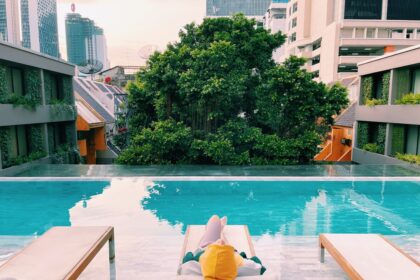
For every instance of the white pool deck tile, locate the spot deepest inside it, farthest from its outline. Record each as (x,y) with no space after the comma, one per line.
(157,257)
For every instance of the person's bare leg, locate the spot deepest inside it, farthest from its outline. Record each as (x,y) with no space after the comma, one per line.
(212,233)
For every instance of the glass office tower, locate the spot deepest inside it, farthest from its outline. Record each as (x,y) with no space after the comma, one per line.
(230,7)
(39,26)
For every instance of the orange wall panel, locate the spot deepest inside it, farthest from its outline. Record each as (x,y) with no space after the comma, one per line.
(82,147)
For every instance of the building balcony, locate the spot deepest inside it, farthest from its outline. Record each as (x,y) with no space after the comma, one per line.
(18,115)
(399,114)
(353,59)
(380,42)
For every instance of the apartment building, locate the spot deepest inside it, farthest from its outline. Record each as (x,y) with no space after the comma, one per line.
(388,116)
(37,112)
(335,35)
(275,21)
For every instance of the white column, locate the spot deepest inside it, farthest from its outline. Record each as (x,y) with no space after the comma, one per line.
(385,9)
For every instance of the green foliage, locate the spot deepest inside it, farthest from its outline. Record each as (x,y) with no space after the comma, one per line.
(409,99)
(409,158)
(165,142)
(217,97)
(47,87)
(32,85)
(386,78)
(289,101)
(362,134)
(381,138)
(61,109)
(367,89)
(120,140)
(4,144)
(67,89)
(398,139)
(66,154)
(3,84)
(18,100)
(373,102)
(371,147)
(37,143)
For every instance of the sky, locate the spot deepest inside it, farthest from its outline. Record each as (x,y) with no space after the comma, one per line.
(130,25)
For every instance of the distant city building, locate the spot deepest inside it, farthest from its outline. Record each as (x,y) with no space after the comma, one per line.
(224,8)
(275,21)
(120,75)
(86,42)
(336,35)
(39,26)
(9,21)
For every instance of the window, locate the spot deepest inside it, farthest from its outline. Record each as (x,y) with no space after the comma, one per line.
(316,60)
(363,9)
(344,68)
(316,45)
(403,10)
(358,51)
(14,80)
(292,38)
(384,33)
(56,135)
(360,33)
(295,7)
(415,81)
(409,34)
(294,22)
(405,139)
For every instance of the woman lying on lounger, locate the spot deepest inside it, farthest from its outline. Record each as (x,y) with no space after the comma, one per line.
(217,259)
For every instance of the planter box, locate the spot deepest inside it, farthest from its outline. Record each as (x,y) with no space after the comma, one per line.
(406,114)
(18,115)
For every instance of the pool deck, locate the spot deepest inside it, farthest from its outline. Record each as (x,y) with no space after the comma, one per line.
(323,170)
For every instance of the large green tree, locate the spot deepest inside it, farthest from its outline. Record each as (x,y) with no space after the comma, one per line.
(217,97)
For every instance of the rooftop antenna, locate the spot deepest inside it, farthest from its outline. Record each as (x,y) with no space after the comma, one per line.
(146,51)
(90,67)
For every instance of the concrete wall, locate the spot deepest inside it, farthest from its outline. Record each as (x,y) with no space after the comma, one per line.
(403,114)
(365,157)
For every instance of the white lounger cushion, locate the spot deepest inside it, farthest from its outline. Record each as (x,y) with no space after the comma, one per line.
(237,236)
(373,257)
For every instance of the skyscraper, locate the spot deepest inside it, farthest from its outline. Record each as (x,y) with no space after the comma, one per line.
(221,8)
(39,26)
(85,41)
(9,21)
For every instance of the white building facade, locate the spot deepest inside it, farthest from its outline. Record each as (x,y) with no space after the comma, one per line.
(275,21)
(335,35)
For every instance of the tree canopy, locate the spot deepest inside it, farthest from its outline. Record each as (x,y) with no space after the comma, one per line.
(217,97)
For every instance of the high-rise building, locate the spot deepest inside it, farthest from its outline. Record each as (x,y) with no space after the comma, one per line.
(86,42)
(222,8)
(9,21)
(336,35)
(39,26)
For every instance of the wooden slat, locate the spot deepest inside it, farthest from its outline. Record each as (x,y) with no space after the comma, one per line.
(61,253)
(370,256)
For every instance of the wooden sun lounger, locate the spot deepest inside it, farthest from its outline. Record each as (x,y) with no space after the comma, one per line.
(369,257)
(60,253)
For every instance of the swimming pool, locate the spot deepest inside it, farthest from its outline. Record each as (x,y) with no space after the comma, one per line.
(150,216)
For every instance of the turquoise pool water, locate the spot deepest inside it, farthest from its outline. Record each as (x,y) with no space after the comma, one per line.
(291,208)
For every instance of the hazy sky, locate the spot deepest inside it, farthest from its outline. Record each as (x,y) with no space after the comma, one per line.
(131,24)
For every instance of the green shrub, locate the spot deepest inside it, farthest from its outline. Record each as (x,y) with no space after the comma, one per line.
(3,83)
(386,78)
(371,147)
(367,89)
(165,142)
(373,102)
(409,158)
(411,98)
